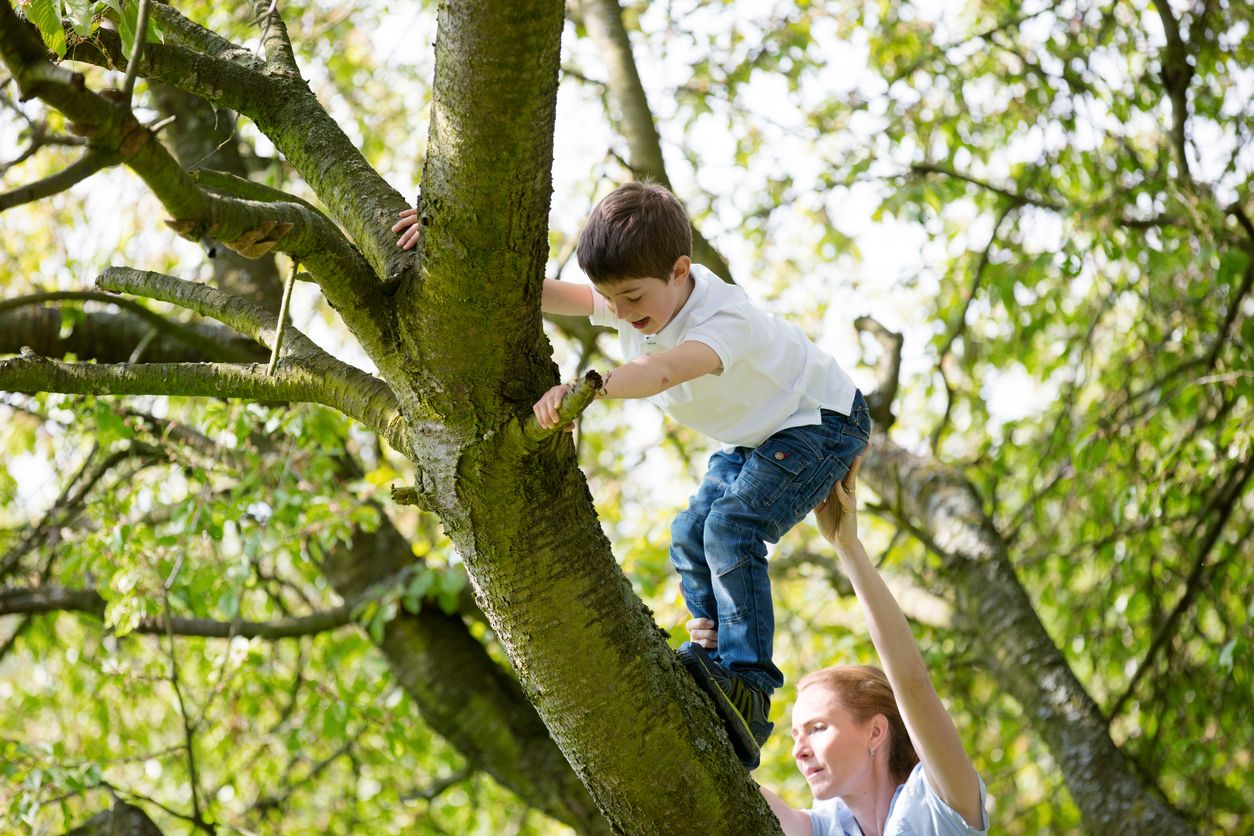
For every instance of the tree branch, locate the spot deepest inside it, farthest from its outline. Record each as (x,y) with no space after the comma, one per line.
(274,37)
(243,316)
(207,346)
(1177,73)
(947,511)
(46,599)
(248,227)
(327,160)
(310,379)
(193,36)
(109,337)
(84,167)
(887,371)
(634,118)
(571,407)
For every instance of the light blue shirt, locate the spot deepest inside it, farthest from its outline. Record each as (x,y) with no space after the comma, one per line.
(916,810)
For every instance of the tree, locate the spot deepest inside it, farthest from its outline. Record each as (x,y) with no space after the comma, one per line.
(980,518)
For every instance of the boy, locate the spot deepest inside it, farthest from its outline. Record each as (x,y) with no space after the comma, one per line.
(790,419)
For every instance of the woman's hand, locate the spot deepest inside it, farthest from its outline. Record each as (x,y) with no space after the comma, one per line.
(837,516)
(410,228)
(704,632)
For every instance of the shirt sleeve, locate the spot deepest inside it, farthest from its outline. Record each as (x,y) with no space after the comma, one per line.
(823,822)
(946,819)
(728,332)
(602,315)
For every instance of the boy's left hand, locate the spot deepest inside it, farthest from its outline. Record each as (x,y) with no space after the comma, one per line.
(546,408)
(410,227)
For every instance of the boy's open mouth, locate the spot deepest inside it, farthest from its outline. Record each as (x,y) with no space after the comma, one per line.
(640,323)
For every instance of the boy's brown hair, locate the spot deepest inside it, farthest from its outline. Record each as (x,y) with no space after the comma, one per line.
(637,231)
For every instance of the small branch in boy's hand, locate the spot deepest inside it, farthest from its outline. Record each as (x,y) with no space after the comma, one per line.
(580,394)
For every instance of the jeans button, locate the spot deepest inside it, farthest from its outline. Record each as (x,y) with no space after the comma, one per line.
(779,457)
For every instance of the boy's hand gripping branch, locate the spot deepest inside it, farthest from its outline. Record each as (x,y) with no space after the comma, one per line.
(561,405)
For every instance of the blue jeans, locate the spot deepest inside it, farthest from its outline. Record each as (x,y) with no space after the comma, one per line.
(752,496)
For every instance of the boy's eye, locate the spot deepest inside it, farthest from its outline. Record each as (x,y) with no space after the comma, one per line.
(633,298)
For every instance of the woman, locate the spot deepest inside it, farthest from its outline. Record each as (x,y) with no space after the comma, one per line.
(885,766)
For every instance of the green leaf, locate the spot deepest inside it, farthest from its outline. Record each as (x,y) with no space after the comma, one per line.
(109,425)
(46,15)
(78,12)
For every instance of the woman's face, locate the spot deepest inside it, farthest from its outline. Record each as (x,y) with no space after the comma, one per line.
(829,746)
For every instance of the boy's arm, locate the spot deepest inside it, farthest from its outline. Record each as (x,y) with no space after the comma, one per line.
(566,298)
(640,378)
(654,373)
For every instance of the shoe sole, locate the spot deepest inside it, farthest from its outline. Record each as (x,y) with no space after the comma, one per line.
(697,662)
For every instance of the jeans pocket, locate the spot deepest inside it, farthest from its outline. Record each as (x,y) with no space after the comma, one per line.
(776,465)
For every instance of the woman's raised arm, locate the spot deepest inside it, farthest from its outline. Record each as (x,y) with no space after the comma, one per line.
(948,769)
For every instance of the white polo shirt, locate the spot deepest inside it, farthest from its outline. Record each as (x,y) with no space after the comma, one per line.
(916,809)
(773,376)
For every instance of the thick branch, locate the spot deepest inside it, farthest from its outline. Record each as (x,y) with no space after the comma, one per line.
(943,506)
(274,38)
(244,316)
(204,345)
(195,37)
(286,110)
(248,227)
(113,337)
(311,380)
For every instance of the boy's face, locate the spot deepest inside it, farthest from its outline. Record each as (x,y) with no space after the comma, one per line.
(650,304)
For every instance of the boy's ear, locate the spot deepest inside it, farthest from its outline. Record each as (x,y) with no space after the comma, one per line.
(683,265)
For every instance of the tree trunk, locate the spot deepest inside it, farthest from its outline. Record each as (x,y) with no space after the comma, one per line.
(586,650)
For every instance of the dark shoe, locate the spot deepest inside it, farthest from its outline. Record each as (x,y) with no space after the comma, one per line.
(743,708)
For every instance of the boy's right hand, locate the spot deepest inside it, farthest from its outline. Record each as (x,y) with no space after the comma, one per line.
(546,408)
(410,227)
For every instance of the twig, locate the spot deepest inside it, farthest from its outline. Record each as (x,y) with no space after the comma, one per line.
(282,324)
(137,51)
(188,737)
